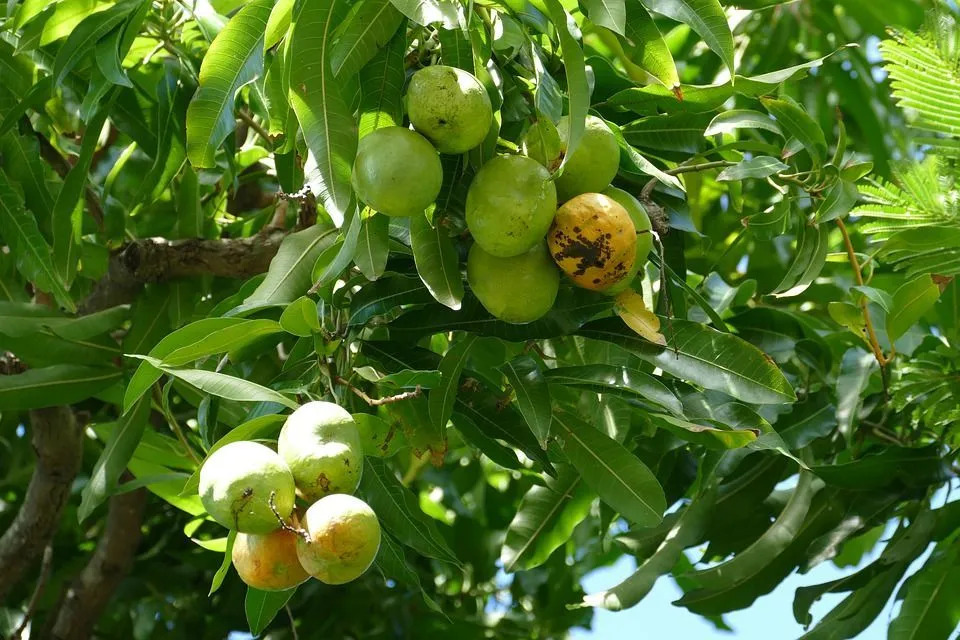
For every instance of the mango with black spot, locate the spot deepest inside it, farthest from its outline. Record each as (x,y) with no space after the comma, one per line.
(593,240)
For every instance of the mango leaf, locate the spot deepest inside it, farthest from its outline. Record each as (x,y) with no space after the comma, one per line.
(235,59)
(21,233)
(386,295)
(263,606)
(391,561)
(117,452)
(704,356)
(227,338)
(578,88)
(793,120)
(368,27)
(300,317)
(706,18)
(381,81)
(755,558)
(758,167)
(81,40)
(680,132)
(373,246)
(734,119)
(930,608)
(813,241)
(441,399)
(623,381)
(427,12)
(222,385)
(24,166)
(707,435)
(437,261)
(545,520)
(399,512)
(53,385)
(686,532)
(611,14)
(620,478)
(856,368)
(456,50)
(910,302)
(225,565)
(914,467)
(644,45)
(533,395)
(838,202)
(289,276)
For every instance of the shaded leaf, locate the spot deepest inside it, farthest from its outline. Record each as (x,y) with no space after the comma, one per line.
(533,395)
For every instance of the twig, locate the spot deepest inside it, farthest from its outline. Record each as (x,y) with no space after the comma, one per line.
(256,126)
(293,624)
(684,168)
(283,523)
(45,567)
(868,323)
(376,402)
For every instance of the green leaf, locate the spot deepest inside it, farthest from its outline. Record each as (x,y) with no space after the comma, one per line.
(706,18)
(812,244)
(758,167)
(838,201)
(910,302)
(578,88)
(456,50)
(710,436)
(681,132)
(228,338)
(545,520)
(611,14)
(755,558)
(913,467)
(384,296)
(930,607)
(734,119)
(373,246)
(368,28)
(391,561)
(533,395)
(263,606)
(437,261)
(235,59)
(397,508)
(20,232)
(620,478)
(190,216)
(300,317)
(442,398)
(324,116)
(24,166)
(289,276)
(799,124)
(113,460)
(704,356)
(427,12)
(222,385)
(624,381)
(53,385)
(381,82)
(84,37)
(856,367)
(221,573)
(685,533)
(645,46)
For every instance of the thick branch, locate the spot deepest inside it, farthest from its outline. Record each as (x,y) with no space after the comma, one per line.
(57,441)
(160,260)
(87,597)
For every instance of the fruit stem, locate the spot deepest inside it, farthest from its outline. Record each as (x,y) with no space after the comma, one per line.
(283,523)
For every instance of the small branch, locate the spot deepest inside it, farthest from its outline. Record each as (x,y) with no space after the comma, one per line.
(283,523)
(45,566)
(684,168)
(293,624)
(858,276)
(256,126)
(376,402)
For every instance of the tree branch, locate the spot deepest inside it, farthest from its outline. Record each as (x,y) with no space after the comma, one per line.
(86,598)
(868,323)
(160,260)
(58,443)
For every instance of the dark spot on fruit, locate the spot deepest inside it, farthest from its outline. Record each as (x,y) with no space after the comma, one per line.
(346,462)
(576,229)
(596,281)
(607,236)
(441,122)
(247,492)
(324,482)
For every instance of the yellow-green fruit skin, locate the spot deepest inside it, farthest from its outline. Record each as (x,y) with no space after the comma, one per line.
(235,486)
(510,205)
(397,172)
(641,222)
(593,241)
(321,444)
(344,539)
(594,162)
(518,289)
(450,107)
(268,562)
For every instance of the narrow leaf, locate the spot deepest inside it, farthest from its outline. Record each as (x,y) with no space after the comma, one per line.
(437,262)
(533,395)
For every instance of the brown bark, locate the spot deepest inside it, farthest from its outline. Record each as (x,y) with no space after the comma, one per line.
(58,443)
(160,260)
(90,593)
